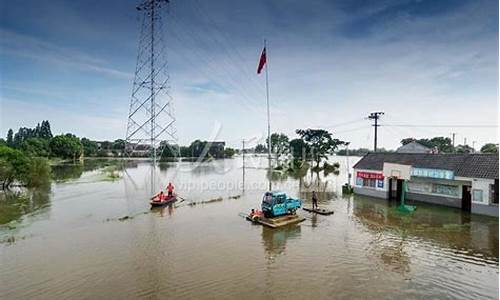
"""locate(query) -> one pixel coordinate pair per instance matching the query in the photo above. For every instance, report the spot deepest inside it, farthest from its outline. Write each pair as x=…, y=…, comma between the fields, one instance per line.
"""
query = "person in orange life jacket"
x=170, y=189
x=159, y=197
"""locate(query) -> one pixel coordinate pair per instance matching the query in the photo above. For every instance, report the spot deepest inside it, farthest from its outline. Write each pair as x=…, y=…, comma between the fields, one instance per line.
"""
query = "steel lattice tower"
x=151, y=120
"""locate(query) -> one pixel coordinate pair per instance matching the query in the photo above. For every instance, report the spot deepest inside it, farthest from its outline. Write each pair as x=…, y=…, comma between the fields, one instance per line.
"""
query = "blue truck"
x=275, y=204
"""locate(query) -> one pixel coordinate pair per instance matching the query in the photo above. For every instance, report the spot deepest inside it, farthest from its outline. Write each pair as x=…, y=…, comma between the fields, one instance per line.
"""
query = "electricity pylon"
x=151, y=120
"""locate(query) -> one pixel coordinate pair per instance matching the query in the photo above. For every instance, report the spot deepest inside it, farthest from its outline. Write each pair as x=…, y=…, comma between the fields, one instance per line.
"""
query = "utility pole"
x=375, y=116
x=473, y=146
x=243, y=152
x=453, y=141
x=465, y=141
x=243, y=169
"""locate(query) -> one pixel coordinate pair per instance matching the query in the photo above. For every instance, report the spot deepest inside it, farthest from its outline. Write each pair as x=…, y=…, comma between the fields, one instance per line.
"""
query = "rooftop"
x=464, y=165
x=414, y=147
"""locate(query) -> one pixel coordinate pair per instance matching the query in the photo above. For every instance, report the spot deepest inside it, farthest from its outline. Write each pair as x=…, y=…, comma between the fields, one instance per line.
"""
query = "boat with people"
x=162, y=199
x=165, y=201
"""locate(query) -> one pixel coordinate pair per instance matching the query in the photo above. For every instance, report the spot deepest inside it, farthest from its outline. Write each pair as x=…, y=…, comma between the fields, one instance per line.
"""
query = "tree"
x=89, y=147
x=45, y=132
x=260, y=148
x=35, y=147
x=299, y=149
x=407, y=141
x=66, y=146
x=14, y=166
x=464, y=149
x=357, y=152
x=106, y=145
x=320, y=142
x=229, y=152
x=169, y=151
x=279, y=143
x=443, y=144
x=489, y=148
x=118, y=144
x=185, y=151
x=10, y=138
x=39, y=172
x=196, y=148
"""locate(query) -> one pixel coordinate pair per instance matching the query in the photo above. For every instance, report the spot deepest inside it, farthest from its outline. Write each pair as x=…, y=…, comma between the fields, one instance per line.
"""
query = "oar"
x=183, y=199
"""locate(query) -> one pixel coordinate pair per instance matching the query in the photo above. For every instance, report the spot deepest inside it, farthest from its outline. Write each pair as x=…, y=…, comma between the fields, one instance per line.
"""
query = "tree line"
x=198, y=149
x=25, y=154
x=438, y=144
x=445, y=145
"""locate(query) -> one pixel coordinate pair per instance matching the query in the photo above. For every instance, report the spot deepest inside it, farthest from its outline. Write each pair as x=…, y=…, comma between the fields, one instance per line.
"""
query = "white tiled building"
x=467, y=181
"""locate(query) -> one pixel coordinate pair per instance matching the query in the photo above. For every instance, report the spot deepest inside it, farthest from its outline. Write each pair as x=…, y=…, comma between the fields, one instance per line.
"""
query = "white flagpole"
x=268, y=119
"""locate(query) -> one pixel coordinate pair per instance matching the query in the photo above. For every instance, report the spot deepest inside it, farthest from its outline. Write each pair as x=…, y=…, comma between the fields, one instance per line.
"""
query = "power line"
x=441, y=126
x=344, y=123
x=351, y=130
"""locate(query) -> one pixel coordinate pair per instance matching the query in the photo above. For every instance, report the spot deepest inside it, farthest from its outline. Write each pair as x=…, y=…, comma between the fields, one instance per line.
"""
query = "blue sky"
x=330, y=64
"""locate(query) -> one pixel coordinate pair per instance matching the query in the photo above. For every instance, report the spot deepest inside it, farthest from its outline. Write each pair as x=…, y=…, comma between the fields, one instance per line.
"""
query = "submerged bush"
x=15, y=166
x=39, y=172
x=333, y=168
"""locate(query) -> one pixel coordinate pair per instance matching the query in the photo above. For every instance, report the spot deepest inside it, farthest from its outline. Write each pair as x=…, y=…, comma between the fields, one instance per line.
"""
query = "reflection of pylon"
x=151, y=117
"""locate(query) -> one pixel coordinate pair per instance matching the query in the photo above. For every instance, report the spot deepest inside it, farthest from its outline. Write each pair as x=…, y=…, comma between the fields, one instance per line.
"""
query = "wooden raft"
x=280, y=221
x=320, y=211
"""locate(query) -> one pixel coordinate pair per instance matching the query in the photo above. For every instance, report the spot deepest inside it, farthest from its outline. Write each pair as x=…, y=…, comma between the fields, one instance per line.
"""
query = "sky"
x=431, y=66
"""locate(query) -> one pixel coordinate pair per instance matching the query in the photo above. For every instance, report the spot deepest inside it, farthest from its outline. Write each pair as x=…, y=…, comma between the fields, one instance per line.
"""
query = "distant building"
x=139, y=150
x=467, y=181
x=414, y=147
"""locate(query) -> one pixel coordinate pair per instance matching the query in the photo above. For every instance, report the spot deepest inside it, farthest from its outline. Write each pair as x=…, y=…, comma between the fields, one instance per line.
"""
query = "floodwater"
x=89, y=236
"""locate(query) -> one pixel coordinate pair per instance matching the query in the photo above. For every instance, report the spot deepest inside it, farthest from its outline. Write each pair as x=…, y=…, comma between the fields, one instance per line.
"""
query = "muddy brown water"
x=90, y=237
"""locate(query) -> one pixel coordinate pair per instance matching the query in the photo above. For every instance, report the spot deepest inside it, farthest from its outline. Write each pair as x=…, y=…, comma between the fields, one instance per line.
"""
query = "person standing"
x=315, y=200
x=170, y=189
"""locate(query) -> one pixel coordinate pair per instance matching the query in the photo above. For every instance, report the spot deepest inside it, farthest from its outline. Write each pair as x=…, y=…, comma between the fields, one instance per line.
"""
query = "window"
x=477, y=195
x=445, y=189
x=419, y=187
x=494, y=193
x=369, y=182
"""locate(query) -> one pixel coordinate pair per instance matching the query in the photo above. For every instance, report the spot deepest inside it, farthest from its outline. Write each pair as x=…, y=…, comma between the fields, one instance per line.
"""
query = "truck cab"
x=275, y=204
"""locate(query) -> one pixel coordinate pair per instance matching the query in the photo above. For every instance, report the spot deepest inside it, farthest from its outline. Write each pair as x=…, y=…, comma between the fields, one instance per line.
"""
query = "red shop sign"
x=369, y=175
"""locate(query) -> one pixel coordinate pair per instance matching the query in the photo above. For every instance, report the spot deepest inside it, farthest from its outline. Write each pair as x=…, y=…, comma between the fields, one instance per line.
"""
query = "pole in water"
x=269, y=146
x=243, y=182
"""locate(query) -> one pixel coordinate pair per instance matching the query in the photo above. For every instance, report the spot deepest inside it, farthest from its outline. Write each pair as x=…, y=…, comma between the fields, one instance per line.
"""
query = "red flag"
x=262, y=61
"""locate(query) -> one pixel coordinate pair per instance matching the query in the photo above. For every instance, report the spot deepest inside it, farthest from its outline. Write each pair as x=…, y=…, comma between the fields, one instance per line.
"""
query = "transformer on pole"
x=151, y=120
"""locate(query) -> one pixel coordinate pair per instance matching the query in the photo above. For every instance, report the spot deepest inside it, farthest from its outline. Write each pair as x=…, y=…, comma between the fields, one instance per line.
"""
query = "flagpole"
x=269, y=146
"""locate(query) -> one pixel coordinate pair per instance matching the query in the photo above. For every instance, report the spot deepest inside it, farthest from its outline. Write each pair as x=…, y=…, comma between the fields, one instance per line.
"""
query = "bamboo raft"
x=320, y=211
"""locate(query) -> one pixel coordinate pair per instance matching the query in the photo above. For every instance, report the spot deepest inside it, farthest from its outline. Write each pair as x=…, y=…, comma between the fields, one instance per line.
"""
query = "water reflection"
x=164, y=211
x=64, y=172
x=16, y=204
x=275, y=239
x=442, y=225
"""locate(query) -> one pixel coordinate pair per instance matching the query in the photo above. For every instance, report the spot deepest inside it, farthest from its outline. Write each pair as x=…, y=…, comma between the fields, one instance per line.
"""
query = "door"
x=466, y=197
x=399, y=189
x=389, y=195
